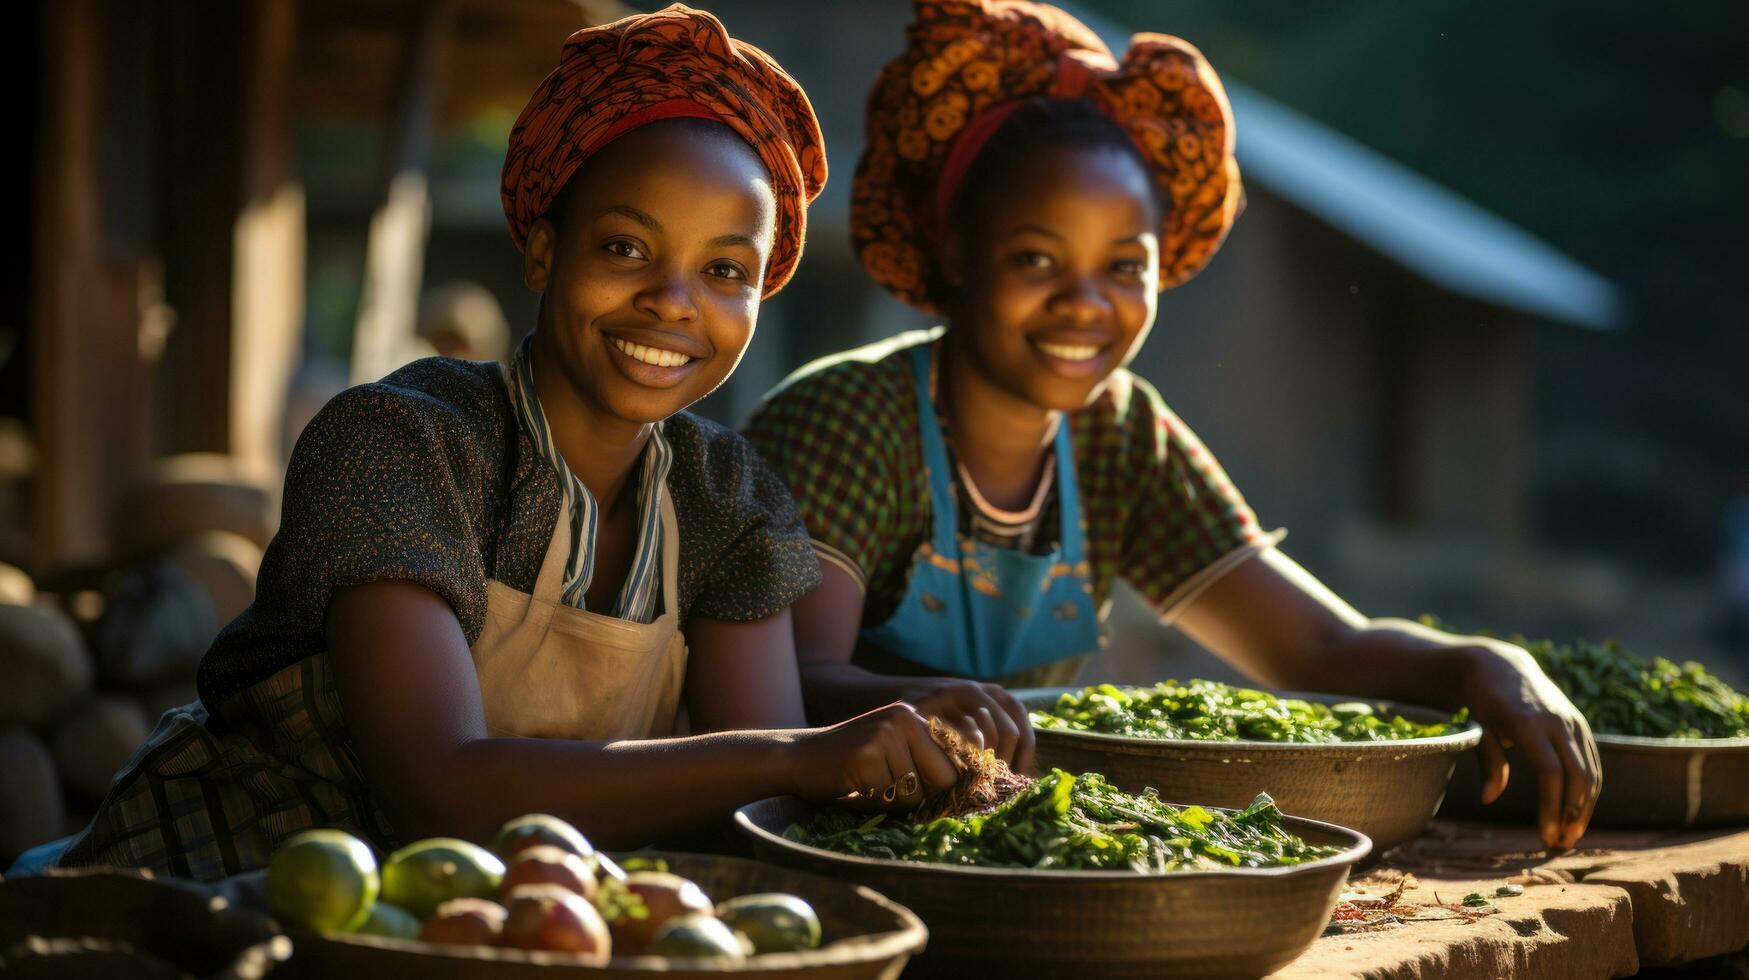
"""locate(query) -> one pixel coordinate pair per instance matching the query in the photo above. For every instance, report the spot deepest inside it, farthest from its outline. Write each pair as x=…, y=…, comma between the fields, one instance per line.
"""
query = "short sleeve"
x=835, y=440
x=1187, y=523
x=385, y=483
x=742, y=539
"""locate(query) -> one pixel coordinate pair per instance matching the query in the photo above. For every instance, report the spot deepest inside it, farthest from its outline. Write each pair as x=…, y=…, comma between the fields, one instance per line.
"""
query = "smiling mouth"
x=654, y=356
x=1071, y=352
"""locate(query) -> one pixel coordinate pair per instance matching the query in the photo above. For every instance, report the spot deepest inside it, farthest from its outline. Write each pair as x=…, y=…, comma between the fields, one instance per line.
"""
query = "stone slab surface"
x=1621, y=901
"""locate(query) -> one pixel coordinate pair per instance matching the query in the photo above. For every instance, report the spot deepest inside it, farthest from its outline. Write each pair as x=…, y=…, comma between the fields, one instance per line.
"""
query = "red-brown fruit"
x=665, y=896
x=544, y=865
x=465, y=922
x=554, y=918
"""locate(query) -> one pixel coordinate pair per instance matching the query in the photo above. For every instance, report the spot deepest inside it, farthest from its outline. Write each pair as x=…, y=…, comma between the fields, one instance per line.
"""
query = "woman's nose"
x=1081, y=300
x=669, y=300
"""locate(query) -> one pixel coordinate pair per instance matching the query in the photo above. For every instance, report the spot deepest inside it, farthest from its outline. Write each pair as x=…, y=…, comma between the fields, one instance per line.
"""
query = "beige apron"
x=549, y=670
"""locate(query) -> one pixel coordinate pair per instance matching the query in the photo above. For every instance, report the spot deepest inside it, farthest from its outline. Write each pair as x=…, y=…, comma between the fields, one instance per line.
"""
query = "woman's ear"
x=537, y=255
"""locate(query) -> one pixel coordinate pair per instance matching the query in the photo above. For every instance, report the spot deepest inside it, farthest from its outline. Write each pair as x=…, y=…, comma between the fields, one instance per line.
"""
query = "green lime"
x=427, y=873
x=323, y=879
x=695, y=935
x=774, y=923
x=390, y=920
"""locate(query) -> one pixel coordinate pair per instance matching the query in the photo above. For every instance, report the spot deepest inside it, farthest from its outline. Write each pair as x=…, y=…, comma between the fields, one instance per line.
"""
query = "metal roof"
x=1440, y=236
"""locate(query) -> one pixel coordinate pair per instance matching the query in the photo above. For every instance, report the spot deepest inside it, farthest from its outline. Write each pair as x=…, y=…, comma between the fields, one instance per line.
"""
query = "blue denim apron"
x=972, y=610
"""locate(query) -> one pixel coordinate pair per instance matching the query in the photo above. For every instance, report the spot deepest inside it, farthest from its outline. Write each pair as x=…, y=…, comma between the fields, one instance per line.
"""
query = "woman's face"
x=652, y=275
x=1057, y=283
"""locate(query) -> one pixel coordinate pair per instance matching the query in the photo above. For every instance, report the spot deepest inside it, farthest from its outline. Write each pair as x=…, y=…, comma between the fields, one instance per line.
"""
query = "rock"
x=223, y=564
x=30, y=796
x=182, y=496
x=44, y=665
x=157, y=623
x=95, y=740
x=16, y=588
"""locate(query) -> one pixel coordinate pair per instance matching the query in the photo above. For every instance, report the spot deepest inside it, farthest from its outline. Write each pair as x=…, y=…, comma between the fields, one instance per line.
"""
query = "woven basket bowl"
x=116, y=923
x=866, y=937
x=1647, y=783
x=1386, y=790
x=990, y=922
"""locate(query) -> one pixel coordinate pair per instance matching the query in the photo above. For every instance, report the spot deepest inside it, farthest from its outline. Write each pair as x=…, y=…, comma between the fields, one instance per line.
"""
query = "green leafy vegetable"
x=1063, y=822
x=1623, y=694
x=1206, y=710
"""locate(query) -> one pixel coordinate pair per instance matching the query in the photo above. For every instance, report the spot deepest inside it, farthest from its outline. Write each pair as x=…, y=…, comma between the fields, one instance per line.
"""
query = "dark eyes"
x=624, y=248
x=725, y=269
x=1042, y=261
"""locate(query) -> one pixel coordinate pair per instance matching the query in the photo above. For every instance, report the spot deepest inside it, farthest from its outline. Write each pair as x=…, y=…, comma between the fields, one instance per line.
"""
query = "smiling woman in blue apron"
x=974, y=491
x=496, y=587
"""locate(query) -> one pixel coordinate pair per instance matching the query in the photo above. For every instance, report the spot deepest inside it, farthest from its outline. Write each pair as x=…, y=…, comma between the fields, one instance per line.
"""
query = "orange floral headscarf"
x=968, y=63
x=637, y=70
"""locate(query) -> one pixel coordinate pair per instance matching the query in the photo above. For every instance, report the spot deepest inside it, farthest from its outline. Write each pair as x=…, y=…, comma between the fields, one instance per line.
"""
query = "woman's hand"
x=1278, y=623
x=1518, y=706
x=883, y=759
x=987, y=715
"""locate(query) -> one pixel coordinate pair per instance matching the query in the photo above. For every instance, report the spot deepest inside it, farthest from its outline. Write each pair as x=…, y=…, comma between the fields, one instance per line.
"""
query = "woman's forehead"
x=680, y=170
x=1076, y=187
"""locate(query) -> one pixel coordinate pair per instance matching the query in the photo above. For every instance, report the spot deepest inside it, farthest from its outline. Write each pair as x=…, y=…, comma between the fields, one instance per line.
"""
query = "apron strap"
x=670, y=594
x=1069, y=495
x=941, y=505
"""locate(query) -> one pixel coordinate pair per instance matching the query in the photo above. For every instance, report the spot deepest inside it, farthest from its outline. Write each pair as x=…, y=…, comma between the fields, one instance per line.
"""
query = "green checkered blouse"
x=1159, y=511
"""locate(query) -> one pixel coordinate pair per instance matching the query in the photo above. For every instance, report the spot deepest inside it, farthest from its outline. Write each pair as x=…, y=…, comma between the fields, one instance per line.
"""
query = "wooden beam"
x=395, y=255
x=84, y=301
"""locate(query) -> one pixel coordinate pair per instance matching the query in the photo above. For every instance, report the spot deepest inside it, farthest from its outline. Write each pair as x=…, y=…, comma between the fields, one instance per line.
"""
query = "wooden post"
x=395, y=255
x=84, y=301
x=267, y=295
x=233, y=227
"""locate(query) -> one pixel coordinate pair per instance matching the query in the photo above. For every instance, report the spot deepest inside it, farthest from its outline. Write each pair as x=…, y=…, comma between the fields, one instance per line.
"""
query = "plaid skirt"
x=205, y=801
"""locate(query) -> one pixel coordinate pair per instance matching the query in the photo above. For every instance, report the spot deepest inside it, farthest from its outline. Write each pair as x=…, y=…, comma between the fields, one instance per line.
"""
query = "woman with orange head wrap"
x=543, y=586
x=984, y=484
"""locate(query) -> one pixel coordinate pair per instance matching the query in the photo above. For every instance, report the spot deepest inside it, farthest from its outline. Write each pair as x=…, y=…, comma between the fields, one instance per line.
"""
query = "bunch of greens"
x=1205, y=710
x=1066, y=822
x=1623, y=694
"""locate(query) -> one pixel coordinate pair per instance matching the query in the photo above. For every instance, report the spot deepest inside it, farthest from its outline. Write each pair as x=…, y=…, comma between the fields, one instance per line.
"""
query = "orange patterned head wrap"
x=679, y=62
x=967, y=64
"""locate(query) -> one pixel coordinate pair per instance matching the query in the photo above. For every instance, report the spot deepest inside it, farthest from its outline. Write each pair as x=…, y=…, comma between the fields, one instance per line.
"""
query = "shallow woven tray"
x=990, y=922
x=1386, y=790
x=867, y=937
x=114, y=923
x=1647, y=783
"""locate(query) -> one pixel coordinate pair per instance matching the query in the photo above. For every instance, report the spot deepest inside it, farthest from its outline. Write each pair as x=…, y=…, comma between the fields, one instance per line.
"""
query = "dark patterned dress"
x=426, y=476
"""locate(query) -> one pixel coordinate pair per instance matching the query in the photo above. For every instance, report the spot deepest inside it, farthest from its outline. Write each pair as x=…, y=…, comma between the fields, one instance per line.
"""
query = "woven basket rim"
x=1355, y=846
x=1034, y=698
x=906, y=940
x=1671, y=745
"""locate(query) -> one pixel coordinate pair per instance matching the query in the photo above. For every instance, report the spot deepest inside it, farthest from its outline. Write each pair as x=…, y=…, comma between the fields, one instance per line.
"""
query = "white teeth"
x=650, y=355
x=1070, y=352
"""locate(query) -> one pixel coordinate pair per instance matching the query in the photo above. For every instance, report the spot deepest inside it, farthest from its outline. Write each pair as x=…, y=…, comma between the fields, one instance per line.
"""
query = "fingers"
x=1551, y=786
x=1495, y=771
x=870, y=771
x=1580, y=784
x=934, y=769
x=1024, y=743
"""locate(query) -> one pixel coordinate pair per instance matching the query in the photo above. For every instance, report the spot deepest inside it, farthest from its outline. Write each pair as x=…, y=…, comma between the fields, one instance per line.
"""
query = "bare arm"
x=412, y=702
x=827, y=621
x=743, y=675
x=1274, y=620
